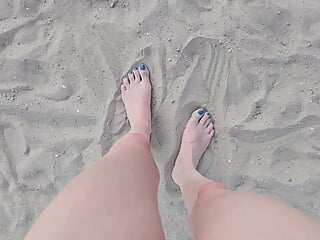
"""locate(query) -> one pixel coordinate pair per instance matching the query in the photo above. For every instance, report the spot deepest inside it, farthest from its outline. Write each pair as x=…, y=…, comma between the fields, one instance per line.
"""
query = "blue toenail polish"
x=130, y=72
x=143, y=67
x=200, y=111
x=135, y=69
x=209, y=114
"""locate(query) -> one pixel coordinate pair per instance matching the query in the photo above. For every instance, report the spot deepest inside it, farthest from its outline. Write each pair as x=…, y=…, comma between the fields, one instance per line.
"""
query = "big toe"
x=197, y=115
x=144, y=73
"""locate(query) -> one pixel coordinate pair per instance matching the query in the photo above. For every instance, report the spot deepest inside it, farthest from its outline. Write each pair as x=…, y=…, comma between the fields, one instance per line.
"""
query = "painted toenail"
x=123, y=77
x=135, y=68
x=130, y=72
x=209, y=114
x=200, y=111
x=143, y=67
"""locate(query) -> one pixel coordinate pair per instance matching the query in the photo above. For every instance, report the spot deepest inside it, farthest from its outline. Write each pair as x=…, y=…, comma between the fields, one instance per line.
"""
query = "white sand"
x=254, y=64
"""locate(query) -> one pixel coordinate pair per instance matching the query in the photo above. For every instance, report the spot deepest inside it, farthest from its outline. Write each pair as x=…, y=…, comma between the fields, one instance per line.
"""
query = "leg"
x=196, y=138
x=116, y=198
x=217, y=213
x=249, y=216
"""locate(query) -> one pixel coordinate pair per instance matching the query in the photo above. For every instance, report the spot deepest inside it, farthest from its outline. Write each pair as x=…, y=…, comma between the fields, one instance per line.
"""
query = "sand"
x=253, y=64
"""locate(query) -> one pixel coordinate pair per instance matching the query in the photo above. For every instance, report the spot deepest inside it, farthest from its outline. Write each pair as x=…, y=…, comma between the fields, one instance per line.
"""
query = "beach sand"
x=254, y=64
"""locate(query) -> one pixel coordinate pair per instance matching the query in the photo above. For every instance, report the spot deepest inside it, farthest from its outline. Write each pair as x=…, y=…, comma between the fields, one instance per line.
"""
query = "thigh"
x=116, y=198
x=223, y=215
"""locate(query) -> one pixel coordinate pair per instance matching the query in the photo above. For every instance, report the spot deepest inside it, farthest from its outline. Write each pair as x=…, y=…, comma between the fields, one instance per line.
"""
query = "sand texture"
x=254, y=64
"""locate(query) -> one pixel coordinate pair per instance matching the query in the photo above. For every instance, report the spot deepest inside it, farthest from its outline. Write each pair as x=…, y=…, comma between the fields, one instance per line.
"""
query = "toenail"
x=200, y=111
x=142, y=67
x=135, y=68
x=130, y=72
x=123, y=77
x=209, y=114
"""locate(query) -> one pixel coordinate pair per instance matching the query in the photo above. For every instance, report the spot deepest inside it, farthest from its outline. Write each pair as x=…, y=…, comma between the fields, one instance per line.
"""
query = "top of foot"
x=136, y=96
x=195, y=141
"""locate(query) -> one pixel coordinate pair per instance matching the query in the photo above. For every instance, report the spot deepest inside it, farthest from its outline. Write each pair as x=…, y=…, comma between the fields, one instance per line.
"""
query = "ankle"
x=181, y=172
x=143, y=132
x=141, y=122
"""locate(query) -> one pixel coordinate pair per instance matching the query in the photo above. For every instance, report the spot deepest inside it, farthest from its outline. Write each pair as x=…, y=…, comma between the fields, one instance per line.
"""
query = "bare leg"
x=217, y=213
x=116, y=198
x=196, y=138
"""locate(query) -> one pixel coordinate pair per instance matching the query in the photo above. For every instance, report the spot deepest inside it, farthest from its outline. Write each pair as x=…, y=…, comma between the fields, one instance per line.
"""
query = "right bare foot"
x=195, y=141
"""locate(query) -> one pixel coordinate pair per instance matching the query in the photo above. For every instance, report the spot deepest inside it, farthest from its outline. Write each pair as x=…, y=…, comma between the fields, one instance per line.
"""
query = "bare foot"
x=195, y=141
x=136, y=96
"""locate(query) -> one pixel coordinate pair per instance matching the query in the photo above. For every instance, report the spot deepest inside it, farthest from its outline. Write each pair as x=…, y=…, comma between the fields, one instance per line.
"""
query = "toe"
x=136, y=73
x=211, y=134
x=209, y=120
x=125, y=81
x=197, y=115
x=123, y=88
x=210, y=128
x=204, y=119
x=144, y=72
x=131, y=77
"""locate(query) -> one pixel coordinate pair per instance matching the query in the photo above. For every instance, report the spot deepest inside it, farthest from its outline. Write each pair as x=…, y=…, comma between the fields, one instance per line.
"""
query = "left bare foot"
x=136, y=96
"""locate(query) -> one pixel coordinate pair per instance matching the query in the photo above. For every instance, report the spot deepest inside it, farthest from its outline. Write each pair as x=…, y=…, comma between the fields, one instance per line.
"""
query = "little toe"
x=144, y=73
x=211, y=134
x=136, y=73
x=123, y=88
x=131, y=77
x=197, y=115
x=125, y=81
x=204, y=119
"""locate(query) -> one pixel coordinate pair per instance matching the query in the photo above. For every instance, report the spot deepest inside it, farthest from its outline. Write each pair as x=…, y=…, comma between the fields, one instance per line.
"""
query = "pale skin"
x=116, y=197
